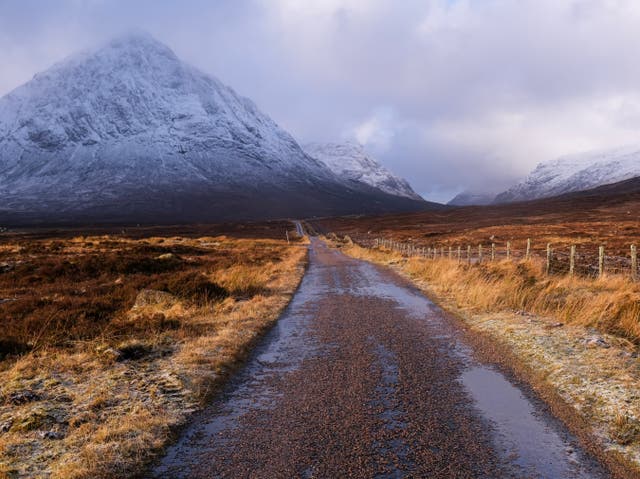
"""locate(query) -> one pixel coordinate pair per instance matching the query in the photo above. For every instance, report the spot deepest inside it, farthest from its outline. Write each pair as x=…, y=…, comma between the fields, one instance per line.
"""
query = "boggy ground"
x=109, y=342
x=365, y=377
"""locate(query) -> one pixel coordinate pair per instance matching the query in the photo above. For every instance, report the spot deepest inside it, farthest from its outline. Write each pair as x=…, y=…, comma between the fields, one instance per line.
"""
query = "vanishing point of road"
x=364, y=377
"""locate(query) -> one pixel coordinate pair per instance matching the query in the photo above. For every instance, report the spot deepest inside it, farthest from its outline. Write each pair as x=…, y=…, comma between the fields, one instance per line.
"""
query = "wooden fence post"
x=480, y=253
x=286, y=232
x=493, y=251
x=450, y=253
x=527, y=255
x=601, y=261
x=572, y=260
x=548, y=258
x=508, y=249
x=469, y=254
x=634, y=263
x=459, y=254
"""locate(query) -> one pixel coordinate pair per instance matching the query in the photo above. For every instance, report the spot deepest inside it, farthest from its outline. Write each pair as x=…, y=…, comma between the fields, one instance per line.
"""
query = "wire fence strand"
x=566, y=261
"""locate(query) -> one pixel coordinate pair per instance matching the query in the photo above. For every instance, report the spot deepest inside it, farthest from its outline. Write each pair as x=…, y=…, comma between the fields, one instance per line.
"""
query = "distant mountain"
x=349, y=161
x=128, y=132
x=467, y=198
x=576, y=173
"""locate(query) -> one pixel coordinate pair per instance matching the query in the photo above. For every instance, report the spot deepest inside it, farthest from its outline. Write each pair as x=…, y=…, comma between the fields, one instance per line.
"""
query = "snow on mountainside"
x=128, y=131
x=349, y=160
x=467, y=198
x=576, y=173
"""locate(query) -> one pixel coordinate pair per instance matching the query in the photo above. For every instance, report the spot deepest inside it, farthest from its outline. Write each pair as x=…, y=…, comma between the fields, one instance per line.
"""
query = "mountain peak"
x=139, y=40
x=575, y=173
x=129, y=131
x=350, y=161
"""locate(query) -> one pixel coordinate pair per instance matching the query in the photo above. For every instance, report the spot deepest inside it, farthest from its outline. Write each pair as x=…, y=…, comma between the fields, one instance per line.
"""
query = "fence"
x=571, y=261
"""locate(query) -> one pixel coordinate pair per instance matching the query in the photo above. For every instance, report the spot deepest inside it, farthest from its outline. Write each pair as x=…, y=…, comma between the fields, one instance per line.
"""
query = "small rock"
x=53, y=435
x=6, y=425
x=596, y=342
x=23, y=397
x=166, y=256
x=556, y=325
x=6, y=267
x=112, y=354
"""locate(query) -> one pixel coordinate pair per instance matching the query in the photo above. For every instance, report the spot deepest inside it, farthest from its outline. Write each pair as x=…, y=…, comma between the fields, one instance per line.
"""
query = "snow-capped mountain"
x=128, y=131
x=468, y=198
x=349, y=161
x=575, y=173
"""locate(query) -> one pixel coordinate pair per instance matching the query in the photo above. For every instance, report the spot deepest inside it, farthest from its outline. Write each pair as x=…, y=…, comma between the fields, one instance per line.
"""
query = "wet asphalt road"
x=364, y=377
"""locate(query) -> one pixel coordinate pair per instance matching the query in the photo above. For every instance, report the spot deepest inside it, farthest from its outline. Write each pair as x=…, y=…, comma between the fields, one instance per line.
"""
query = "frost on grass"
x=121, y=340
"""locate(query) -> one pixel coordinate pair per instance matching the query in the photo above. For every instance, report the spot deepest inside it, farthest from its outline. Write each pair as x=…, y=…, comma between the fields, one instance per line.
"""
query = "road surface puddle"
x=522, y=436
x=392, y=415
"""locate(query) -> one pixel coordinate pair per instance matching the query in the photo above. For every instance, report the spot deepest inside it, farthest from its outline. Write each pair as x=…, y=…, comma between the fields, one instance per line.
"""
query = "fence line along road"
x=570, y=262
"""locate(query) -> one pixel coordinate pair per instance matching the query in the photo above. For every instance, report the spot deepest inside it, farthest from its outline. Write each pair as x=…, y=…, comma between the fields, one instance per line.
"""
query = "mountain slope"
x=130, y=133
x=349, y=160
x=467, y=198
x=576, y=173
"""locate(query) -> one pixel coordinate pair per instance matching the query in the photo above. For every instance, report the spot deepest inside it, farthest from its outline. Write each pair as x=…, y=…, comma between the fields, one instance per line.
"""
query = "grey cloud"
x=451, y=94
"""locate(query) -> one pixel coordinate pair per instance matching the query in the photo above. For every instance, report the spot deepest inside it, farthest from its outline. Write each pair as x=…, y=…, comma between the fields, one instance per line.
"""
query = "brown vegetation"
x=605, y=216
x=108, y=342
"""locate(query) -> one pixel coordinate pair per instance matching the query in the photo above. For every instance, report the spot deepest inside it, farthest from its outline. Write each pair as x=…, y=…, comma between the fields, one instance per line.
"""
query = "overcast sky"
x=450, y=94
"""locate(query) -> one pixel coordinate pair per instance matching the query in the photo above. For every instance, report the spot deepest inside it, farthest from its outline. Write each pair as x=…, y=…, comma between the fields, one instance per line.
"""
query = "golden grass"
x=610, y=304
x=110, y=399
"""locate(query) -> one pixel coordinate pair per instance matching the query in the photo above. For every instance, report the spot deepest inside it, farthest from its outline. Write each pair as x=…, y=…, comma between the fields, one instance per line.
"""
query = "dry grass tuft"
x=625, y=430
x=110, y=342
